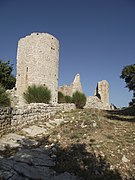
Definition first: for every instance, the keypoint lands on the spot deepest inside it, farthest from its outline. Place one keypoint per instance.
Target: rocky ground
(82, 144)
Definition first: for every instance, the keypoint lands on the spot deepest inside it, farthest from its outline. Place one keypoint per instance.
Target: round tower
(37, 63)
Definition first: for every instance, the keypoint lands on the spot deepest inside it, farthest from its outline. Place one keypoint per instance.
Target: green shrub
(79, 99)
(37, 94)
(68, 99)
(4, 99)
(61, 97)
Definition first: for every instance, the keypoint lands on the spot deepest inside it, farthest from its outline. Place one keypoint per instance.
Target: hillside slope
(96, 144)
(85, 144)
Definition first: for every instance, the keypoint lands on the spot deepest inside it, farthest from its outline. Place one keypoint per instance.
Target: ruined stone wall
(95, 102)
(102, 92)
(100, 99)
(75, 86)
(37, 63)
(66, 90)
(5, 120)
(13, 119)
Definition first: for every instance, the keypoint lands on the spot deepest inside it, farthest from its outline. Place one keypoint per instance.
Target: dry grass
(106, 137)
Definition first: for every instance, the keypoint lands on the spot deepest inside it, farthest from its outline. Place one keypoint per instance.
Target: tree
(128, 74)
(79, 99)
(4, 99)
(7, 80)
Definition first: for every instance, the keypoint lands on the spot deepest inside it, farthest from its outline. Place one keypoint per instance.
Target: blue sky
(97, 38)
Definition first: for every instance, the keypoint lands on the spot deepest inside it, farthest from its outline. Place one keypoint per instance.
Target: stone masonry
(37, 63)
(13, 119)
(75, 86)
(102, 92)
(100, 99)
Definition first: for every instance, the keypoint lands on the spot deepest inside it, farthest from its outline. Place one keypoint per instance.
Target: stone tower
(102, 92)
(37, 63)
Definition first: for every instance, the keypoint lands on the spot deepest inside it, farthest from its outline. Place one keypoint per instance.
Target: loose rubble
(22, 157)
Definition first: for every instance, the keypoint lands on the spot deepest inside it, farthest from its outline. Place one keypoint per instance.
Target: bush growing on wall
(37, 94)
(79, 99)
(4, 99)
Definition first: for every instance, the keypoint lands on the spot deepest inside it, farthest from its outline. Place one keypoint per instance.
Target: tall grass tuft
(37, 94)
(4, 99)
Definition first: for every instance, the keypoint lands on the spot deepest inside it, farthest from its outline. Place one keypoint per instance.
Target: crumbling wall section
(74, 86)
(14, 119)
(95, 102)
(100, 99)
(102, 92)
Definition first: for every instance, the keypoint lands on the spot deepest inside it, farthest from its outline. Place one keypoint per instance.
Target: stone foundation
(14, 119)
(95, 102)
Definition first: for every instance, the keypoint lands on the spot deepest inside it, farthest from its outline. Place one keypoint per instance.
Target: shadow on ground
(128, 111)
(75, 159)
(127, 114)
(50, 161)
(117, 116)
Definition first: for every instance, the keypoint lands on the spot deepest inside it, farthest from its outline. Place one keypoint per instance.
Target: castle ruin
(100, 99)
(37, 63)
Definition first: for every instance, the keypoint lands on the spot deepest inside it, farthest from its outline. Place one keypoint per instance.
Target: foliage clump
(79, 99)
(4, 99)
(6, 78)
(68, 99)
(37, 94)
